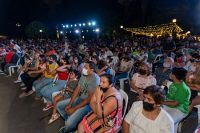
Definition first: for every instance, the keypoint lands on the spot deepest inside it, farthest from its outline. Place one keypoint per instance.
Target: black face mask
(148, 106)
(61, 64)
(50, 62)
(191, 60)
(142, 72)
(104, 89)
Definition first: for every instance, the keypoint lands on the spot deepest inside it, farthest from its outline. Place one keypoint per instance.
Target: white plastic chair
(121, 81)
(11, 69)
(157, 58)
(112, 72)
(125, 98)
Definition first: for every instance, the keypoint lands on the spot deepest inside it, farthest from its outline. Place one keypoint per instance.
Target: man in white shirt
(147, 116)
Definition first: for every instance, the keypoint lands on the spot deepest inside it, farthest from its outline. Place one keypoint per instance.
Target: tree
(36, 29)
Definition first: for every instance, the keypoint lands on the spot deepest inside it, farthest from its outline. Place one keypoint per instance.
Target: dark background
(108, 13)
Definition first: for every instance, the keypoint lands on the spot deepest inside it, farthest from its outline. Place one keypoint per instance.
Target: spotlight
(121, 26)
(77, 31)
(41, 30)
(97, 30)
(89, 23)
(83, 24)
(80, 25)
(61, 32)
(63, 26)
(93, 23)
(71, 25)
(75, 25)
(67, 26)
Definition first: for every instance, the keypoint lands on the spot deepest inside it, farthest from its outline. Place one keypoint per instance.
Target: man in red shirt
(7, 60)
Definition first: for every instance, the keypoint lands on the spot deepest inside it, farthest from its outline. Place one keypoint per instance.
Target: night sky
(106, 12)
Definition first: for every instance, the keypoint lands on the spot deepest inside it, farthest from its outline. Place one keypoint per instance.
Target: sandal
(53, 118)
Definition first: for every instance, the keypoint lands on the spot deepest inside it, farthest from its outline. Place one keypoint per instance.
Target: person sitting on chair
(147, 116)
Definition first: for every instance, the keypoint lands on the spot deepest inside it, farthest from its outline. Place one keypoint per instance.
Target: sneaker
(49, 106)
(24, 94)
(22, 84)
(6, 75)
(30, 93)
(53, 118)
(24, 88)
(17, 81)
(38, 98)
(62, 130)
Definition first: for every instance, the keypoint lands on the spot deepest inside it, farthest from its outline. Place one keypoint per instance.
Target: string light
(157, 30)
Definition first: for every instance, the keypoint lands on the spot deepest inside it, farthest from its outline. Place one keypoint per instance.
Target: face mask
(148, 106)
(61, 63)
(142, 72)
(104, 89)
(50, 62)
(167, 65)
(192, 68)
(76, 61)
(180, 60)
(84, 72)
(191, 60)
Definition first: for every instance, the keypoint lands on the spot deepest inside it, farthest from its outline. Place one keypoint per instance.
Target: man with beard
(147, 116)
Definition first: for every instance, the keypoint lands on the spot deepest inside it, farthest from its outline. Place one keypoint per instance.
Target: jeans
(49, 89)
(2, 65)
(39, 84)
(73, 120)
(28, 81)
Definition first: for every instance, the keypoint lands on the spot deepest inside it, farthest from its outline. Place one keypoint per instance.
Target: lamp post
(18, 25)
(41, 31)
(173, 30)
(174, 20)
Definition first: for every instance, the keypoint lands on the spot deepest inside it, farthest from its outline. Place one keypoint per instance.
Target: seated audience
(147, 116)
(178, 95)
(106, 104)
(75, 108)
(64, 94)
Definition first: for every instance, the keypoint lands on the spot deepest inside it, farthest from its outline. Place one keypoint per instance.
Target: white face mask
(167, 65)
(192, 68)
(76, 61)
(84, 72)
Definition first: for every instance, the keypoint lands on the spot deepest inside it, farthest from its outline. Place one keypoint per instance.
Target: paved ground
(26, 115)
(22, 115)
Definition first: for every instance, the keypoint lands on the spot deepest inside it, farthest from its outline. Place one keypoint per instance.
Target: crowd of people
(79, 81)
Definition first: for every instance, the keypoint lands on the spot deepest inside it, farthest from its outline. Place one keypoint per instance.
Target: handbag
(99, 125)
